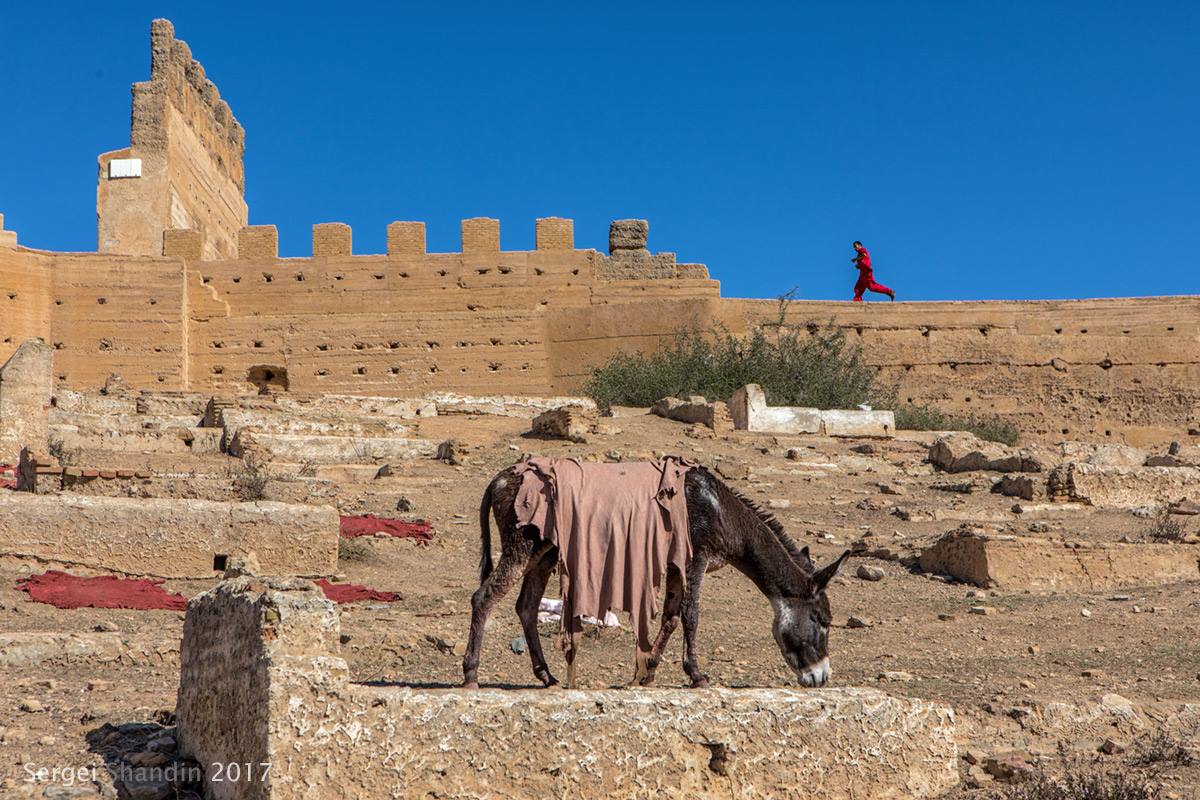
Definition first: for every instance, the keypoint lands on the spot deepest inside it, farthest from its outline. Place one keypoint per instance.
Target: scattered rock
(960, 451)
(517, 645)
(1112, 747)
(869, 573)
(1092, 673)
(946, 617)
(566, 422)
(1008, 768)
(106, 627)
(99, 685)
(148, 758)
(985, 611)
(779, 503)
(31, 705)
(891, 488)
(858, 622)
(866, 449)
(1085, 612)
(895, 676)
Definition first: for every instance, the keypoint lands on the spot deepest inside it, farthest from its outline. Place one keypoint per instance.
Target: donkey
(725, 528)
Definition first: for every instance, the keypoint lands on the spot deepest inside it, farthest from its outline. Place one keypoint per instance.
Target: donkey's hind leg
(527, 610)
(514, 558)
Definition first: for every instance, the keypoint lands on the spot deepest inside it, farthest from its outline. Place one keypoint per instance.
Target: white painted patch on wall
(125, 168)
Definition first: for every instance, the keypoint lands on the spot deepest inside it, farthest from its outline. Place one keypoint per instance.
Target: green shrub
(813, 368)
(818, 370)
(929, 418)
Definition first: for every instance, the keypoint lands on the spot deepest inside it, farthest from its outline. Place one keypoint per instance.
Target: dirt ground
(1020, 678)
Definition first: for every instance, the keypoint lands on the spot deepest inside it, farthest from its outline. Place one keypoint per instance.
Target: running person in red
(866, 278)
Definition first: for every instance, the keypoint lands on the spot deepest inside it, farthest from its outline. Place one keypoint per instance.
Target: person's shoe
(892, 294)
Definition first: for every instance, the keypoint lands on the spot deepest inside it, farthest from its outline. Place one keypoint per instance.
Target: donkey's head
(802, 621)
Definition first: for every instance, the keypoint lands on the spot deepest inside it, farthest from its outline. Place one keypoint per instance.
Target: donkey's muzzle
(815, 675)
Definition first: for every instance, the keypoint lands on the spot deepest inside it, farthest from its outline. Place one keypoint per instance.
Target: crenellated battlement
(554, 236)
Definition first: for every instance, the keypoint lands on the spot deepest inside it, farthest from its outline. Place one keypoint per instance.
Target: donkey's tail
(485, 531)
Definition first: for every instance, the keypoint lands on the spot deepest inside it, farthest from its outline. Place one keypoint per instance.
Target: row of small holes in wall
(63, 379)
(492, 366)
(441, 273)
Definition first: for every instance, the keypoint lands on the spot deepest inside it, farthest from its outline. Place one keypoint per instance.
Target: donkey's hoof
(470, 685)
(700, 683)
(646, 680)
(549, 681)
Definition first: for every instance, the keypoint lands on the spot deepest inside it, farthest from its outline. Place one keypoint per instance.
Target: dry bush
(249, 480)
(1082, 784)
(355, 550)
(1163, 750)
(1166, 528)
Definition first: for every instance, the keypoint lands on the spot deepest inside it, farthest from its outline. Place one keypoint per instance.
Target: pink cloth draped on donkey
(617, 528)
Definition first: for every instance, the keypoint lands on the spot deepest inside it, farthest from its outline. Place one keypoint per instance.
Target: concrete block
(406, 239)
(331, 239)
(858, 423)
(26, 384)
(1011, 562)
(555, 233)
(750, 412)
(481, 235)
(262, 681)
(167, 538)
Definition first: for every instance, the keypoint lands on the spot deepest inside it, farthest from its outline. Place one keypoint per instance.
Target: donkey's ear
(804, 554)
(823, 576)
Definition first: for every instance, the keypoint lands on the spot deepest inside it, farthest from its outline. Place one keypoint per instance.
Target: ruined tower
(183, 168)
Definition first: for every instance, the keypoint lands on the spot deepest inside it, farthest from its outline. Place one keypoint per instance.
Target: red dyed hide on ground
(63, 590)
(352, 592)
(368, 524)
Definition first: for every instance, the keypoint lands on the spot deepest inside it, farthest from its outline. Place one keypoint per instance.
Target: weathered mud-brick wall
(26, 279)
(25, 389)
(262, 681)
(1107, 370)
(183, 168)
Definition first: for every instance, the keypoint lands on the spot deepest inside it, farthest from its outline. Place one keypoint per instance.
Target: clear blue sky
(980, 149)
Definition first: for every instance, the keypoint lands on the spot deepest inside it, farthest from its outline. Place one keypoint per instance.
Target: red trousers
(866, 282)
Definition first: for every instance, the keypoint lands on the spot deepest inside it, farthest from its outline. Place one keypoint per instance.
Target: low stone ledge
(30, 648)
(261, 681)
(1011, 562)
(750, 412)
(297, 449)
(1124, 486)
(167, 538)
(506, 405)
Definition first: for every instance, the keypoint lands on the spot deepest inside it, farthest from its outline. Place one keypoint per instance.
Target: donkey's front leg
(691, 620)
(670, 619)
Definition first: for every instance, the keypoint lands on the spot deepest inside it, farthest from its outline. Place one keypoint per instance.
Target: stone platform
(1011, 562)
(167, 538)
(262, 682)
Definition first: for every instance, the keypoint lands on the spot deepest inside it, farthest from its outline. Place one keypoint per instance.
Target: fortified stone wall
(184, 167)
(1118, 369)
